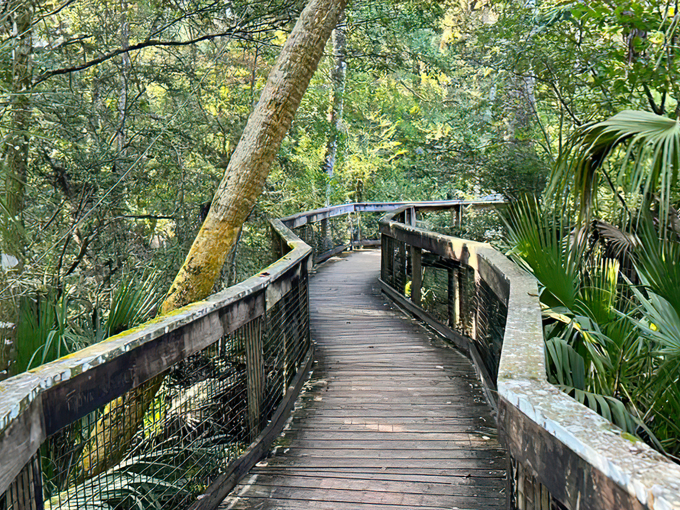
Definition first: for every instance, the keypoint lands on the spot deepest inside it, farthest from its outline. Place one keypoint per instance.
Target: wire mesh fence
(395, 270)
(161, 445)
(492, 312)
(452, 294)
(448, 291)
(25, 492)
(529, 493)
(368, 227)
(472, 223)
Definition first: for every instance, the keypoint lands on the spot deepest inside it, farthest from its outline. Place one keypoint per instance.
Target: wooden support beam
(255, 374)
(359, 236)
(403, 270)
(417, 276)
(383, 257)
(451, 299)
(410, 216)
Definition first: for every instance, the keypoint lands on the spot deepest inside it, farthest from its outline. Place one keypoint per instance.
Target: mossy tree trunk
(249, 165)
(235, 198)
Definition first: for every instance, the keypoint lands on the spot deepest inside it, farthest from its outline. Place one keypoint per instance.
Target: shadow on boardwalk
(391, 418)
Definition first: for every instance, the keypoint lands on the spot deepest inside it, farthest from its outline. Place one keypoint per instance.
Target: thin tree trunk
(16, 30)
(124, 72)
(18, 23)
(236, 196)
(338, 79)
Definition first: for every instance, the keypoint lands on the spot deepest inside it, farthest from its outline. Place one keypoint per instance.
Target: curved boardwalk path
(391, 418)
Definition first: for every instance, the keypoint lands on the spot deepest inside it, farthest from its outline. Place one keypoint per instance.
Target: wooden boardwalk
(391, 419)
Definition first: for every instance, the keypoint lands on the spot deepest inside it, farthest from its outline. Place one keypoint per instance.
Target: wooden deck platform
(392, 418)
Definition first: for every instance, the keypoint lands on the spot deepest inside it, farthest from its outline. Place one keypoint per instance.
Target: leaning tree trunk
(249, 165)
(338, 78)
(235, 198)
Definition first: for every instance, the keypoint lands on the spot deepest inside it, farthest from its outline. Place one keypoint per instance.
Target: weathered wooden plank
(401, 472)
(481, 500)
(303, 504)
(255, 376)
(463, 488)
(454, 452)
(391, 416)
(393, 475)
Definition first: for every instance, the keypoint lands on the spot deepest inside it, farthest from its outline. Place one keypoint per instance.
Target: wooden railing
(173, 413)
(563, 455)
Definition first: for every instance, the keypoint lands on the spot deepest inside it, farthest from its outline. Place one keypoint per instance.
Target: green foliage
(564, 364)
(545, 244)
(49, 327)
(648, 163)
(658, 262)
(43, 333)
(133, 301)
(610, 344)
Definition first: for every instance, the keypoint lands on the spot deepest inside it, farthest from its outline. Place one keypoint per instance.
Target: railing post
(276, 243)
(255, 375)
(457, 296)
(411, 217)
(404, 267)
(388, 257)
(383, 258)
(451, 298)
(359, 237)
(417, 276)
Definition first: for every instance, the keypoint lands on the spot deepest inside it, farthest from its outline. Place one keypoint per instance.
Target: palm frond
(544, 243)
(658, 261)
(598, 294)
(649, 165)
(132, 302)
(660, 322)
(565, 366)
(619, 242)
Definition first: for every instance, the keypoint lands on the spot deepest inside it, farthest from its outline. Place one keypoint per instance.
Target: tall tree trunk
(338, 79)
(249, 165)
(18, 22)
(235, 197)
(16, 29)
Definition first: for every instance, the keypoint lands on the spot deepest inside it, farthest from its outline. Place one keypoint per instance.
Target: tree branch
(146, 217)
(650, 98)
(135, 47)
